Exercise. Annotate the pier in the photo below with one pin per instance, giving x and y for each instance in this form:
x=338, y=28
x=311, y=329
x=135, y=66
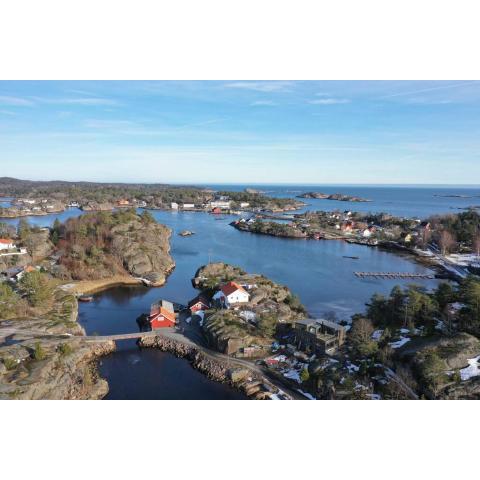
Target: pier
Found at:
x=395, y=275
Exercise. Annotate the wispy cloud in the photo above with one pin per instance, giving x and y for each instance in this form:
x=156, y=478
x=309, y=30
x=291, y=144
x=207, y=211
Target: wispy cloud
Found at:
x=263, y=103
x=100, y=124
x=7, y=112
x=430, y=89
x=15, y=101
x=264, y=86
x=329, y=101
x=92, y=101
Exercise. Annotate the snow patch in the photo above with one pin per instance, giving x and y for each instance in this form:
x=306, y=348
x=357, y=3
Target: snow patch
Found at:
x=400, y=343
x=473, y=369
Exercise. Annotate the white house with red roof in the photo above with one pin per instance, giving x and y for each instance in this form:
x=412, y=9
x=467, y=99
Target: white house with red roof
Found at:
x=6, y=244
x=232, y=293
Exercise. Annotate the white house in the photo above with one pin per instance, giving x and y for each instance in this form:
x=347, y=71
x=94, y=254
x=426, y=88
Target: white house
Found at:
x=174, y=205
x=232, y=293
x=187, y=206
x=244, y=204
x=220, y=204
x=6, y=244
x=367, y=233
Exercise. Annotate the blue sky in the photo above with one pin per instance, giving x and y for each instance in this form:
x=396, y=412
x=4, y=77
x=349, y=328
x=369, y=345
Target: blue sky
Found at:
x=422, y=132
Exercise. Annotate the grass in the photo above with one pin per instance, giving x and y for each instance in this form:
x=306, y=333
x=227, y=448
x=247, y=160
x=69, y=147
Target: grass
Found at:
x=10, y=363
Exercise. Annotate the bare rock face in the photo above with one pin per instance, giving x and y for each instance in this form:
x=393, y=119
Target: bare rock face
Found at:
x=39, y=245
x=65, y=369
x=144, y=249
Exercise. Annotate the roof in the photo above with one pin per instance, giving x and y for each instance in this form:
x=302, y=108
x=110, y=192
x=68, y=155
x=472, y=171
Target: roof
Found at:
x=167, y=305
x=6, y=241
x=199, y=298
x=232, y=287
x=320, y=321
x=165, y=313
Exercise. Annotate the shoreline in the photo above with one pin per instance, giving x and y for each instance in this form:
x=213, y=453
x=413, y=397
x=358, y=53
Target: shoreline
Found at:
x=442, y=272
x=241, y=377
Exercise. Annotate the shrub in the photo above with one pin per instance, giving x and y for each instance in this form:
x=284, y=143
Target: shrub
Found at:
x=38, y=352
x=65, y=349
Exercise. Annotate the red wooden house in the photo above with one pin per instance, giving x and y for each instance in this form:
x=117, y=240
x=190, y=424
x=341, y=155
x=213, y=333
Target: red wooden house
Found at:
x=161, y=317
x=200, y=302
x=216, y=211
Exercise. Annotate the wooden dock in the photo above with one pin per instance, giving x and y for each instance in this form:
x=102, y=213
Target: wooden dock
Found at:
x=395, y=275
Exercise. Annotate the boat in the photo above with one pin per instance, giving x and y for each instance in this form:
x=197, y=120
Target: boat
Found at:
x=85, y=298
x=353, y=258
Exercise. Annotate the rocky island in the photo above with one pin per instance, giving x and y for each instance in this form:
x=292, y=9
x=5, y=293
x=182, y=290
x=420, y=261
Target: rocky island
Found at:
x=332, y=196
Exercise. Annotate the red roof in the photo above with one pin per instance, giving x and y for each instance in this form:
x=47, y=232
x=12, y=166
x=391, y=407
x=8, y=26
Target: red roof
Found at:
x=167, y=314
x=231, y=287
x=6, y=241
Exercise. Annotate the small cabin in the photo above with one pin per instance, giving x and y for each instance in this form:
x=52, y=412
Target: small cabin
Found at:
x=161, y=315
x=200, y=302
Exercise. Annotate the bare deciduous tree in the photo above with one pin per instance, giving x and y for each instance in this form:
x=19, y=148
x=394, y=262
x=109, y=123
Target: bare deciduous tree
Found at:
x=446, y=242
x=476, y=244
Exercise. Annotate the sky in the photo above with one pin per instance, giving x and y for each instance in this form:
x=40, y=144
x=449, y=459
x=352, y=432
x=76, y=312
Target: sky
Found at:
x=255, y=132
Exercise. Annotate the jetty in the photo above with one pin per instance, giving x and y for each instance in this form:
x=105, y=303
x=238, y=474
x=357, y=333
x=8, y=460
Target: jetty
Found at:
x=395, y=275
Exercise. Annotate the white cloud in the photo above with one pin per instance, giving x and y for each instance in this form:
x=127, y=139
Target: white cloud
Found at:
x=263, y=103
x=92, y=101
x=93, y=123
x=270, y=86
x=329, y=101
x=15, y=101
x=431, y=89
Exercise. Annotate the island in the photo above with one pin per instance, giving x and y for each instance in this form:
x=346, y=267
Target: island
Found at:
x=332, y=196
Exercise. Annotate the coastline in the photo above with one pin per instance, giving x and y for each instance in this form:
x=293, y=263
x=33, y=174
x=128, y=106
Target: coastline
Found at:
x=223, y=370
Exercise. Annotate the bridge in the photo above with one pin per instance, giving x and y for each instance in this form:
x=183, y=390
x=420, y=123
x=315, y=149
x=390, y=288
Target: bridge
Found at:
x=121, y=336
x=395, y=275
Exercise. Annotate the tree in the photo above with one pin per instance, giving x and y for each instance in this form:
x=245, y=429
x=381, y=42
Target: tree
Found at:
x=8, y=300
x=37, y=288
x=361, y=337
x=23, y=229
x=147, y=217
x=476, y=244
x=444, y=295
x=432, y=372
x=304, y=375
x=446, y=242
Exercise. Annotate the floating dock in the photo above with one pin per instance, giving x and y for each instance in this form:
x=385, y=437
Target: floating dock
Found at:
x=395, y=275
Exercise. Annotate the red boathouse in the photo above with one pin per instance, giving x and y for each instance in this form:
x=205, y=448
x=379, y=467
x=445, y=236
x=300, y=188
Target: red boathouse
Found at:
x=161, y=317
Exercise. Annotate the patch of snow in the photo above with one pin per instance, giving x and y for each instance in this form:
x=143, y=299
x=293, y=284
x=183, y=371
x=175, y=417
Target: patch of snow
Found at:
x=352, y=368
x=400, y=343
x=377, y=335
x=293, y=375
x=188, y=320
x=306, y=394
x=473, y=369
x=404, y=331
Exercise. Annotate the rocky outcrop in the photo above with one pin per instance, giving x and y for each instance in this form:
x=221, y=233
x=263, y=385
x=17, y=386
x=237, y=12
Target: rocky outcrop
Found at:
x=332, y=196
x=52, y=368
x=144, y=249
x=254, y=323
